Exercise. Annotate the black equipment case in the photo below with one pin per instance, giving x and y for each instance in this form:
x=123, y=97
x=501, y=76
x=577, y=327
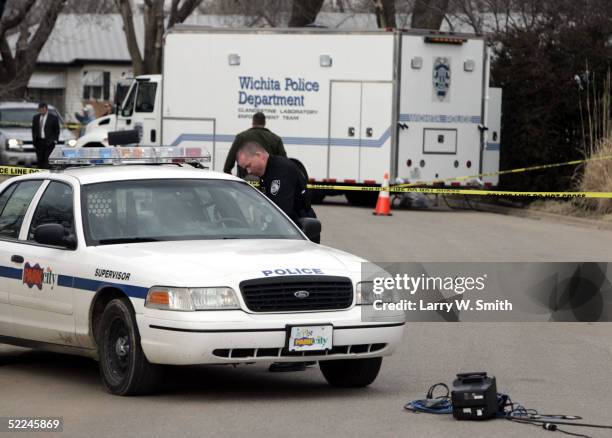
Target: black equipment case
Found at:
x=474, y=396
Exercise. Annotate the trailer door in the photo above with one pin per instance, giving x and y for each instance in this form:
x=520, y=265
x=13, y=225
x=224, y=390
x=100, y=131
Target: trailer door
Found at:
x=375, y=151
x=359, y=131
x=344, y=130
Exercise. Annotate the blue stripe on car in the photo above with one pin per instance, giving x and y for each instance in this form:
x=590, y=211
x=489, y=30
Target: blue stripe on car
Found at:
x=81, y=283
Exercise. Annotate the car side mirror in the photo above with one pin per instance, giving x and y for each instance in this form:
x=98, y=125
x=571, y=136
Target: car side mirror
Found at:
x=54, y=234
x=312, y=228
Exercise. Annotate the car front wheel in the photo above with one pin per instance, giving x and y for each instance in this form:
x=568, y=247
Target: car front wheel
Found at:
x=123, y=366
x=351, y=373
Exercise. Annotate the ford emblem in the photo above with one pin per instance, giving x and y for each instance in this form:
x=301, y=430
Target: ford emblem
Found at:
x=301, y=294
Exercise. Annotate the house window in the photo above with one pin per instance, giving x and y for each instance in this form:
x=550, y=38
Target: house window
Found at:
x=93, y=84
x=48, y=86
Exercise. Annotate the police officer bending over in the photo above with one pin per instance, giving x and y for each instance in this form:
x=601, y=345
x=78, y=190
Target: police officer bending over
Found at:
x=281, y=180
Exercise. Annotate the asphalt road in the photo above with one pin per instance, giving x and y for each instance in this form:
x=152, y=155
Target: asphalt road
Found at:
x=558, y=368
x=442, y=234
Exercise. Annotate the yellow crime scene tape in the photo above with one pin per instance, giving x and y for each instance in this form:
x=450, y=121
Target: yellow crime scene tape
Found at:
x=29, y=125
x=15, y=171
x=411, y=187
x=476, y=192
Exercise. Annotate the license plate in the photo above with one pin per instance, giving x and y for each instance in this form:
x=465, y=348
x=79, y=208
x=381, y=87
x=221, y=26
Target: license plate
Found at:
x=310, y=338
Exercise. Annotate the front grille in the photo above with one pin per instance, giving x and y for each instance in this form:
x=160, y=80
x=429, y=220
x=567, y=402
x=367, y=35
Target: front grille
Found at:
x=244, y=353
x=278, y=294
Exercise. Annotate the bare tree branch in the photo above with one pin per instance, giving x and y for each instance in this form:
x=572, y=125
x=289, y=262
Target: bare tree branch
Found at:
x=28, y=50
x=7, y=23
x=451, y=26
x=471, y=11
x=428, y=14
x=173, y=13
x=24, y=37
x=17, y=68
x=155, y=65
x=7, y=67
x=150, y=30
x=149, y=62
x=385, y=13
x=270, y=19
x=304, y=12
x=125, y=9
x=179, y=15
x=90, y=7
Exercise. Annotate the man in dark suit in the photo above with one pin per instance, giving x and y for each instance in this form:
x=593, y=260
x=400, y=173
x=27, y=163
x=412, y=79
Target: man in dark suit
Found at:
x=45, y=133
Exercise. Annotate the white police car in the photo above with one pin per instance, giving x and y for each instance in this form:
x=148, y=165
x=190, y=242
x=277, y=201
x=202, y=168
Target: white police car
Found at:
x=140, y=265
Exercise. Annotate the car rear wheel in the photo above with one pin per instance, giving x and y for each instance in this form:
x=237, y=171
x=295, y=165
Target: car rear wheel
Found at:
x=123, y=366
x=351, y=373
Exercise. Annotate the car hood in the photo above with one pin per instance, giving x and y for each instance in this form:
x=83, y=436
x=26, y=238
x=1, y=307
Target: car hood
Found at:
x=221, y=262
x=66, y=134
x=25, y=134
x=104, y=123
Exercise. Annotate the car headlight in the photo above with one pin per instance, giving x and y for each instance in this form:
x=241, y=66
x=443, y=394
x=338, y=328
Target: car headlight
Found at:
x=13, y=143
x=366, y=295
x=191, y=299
x=365, y=292
x=71, y=143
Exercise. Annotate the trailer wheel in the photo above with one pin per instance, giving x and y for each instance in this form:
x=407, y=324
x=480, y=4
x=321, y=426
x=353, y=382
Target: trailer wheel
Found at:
x=317, y=197
x=351, y=373
x=362, y=199
x=123, y=366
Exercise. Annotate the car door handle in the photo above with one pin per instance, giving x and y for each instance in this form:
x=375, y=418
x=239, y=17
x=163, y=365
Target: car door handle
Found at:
x=17, y=259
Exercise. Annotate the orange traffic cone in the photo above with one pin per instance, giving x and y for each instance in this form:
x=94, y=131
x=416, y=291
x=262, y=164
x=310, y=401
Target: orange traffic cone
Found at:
x=383, y=205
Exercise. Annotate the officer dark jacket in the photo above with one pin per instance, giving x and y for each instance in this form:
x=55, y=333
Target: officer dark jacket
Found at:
x=285, y=185
x=270, y=142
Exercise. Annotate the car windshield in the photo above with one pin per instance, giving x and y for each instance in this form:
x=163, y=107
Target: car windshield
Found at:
x=179, y=209
x=21, y=117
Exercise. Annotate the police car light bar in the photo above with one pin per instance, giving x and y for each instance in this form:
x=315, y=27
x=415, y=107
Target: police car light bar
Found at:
x=69, y=156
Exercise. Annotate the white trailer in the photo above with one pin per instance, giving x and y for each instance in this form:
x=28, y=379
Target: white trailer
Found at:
x=351, y=106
